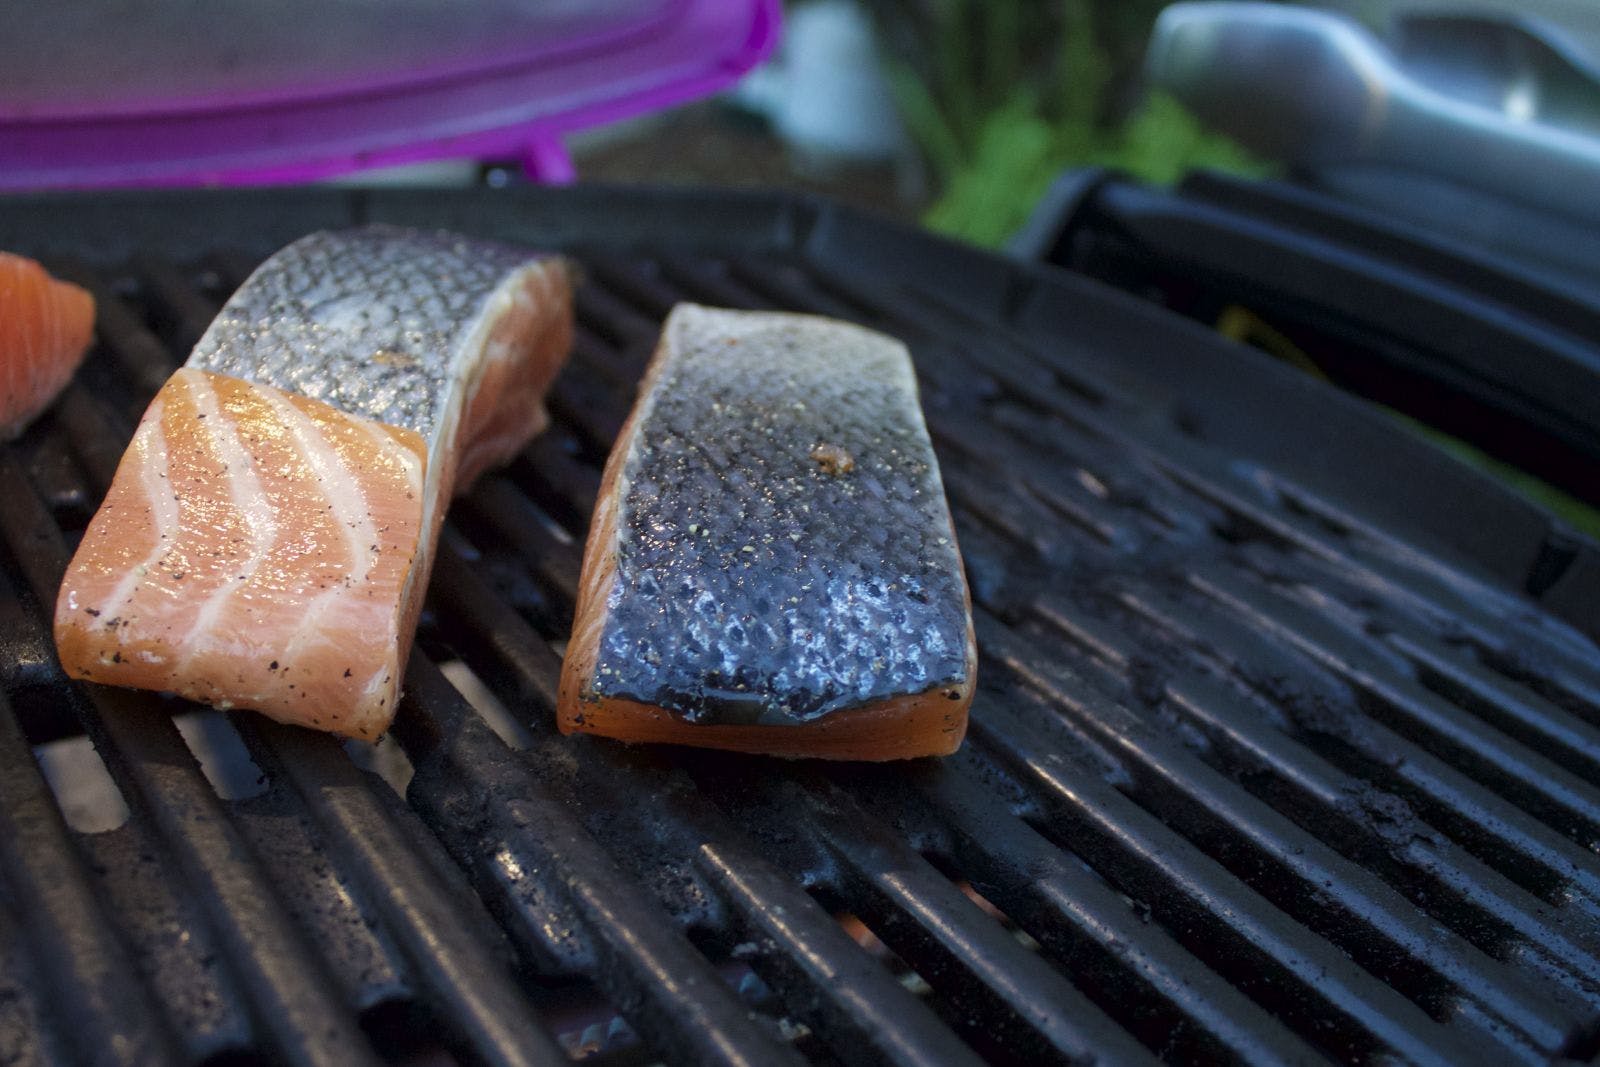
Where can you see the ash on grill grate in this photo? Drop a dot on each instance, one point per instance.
(1254, 774)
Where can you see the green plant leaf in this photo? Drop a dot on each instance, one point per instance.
(1002, 96)
(988, 195)
(1162, 140)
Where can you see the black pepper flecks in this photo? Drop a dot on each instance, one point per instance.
(756, 582)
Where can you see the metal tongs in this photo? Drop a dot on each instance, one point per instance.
(1509, 106)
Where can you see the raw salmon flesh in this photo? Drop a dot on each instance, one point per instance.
(45, 329)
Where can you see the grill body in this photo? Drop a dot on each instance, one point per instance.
(1287, 744)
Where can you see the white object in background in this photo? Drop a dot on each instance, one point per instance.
(826, 93)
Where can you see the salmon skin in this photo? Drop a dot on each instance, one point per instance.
(771, 566)
(454, 338)
(45, 330)
(268, 535)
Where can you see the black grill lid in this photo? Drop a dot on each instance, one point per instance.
(1460, 334)
(1287, 744)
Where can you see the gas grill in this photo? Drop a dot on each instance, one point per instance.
(1287, 744)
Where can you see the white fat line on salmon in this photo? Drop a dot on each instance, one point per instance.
(388, 443)
(153, 470)
(351, 510)
(249, 500)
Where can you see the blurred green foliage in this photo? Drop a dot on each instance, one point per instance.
(1002, 95)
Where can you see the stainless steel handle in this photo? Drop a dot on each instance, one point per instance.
(1317, 89)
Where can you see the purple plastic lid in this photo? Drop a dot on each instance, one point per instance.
(305, 101)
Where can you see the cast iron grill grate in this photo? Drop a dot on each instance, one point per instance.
(1275, 757)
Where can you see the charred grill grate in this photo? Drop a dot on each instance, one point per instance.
(1274, 757)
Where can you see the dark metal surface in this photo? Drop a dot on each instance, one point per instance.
(1279, 755)
(1452, 329)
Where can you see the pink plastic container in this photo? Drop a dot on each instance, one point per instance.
(164, 102)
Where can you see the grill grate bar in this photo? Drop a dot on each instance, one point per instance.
(929, 922)
(1564, 738)
(1489, 826)
(556, 475)
(182, 309)
(1562, 687)
(1297, 871)
(496, 643)
(1138, 972)
(1211, 912)
(846, 989)
(1432, 870)
(75, 944)
(529, 848)
(822, 974)
(292, 996)
(1428, 594)
(1147, 793)
(1439, 877)
(1552, 1033)
(1534, 783)
(24, 1039)
(122, 333)
(511, 517)
(582, 402)
(441, 935)
(1087, 922)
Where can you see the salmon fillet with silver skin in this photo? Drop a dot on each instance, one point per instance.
(46, 326)
(268, 535)
(771, 566)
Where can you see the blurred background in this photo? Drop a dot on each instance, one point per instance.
(959, 113)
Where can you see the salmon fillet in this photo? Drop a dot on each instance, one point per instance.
(46, 327)
(268, 536)
(771, 566)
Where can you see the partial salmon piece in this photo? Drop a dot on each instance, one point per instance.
(268, 536)
(46, 327)
(771, 566)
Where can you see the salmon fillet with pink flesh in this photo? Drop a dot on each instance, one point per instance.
(45, 330)
(268, 538)
(253, 552)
